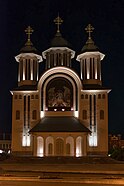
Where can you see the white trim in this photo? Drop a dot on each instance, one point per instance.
(30, 55)
(93, 91)
(93, 54)
(59, 48)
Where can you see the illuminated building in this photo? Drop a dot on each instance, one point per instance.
(60, 113)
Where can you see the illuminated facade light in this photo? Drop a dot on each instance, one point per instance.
(26, 140)
(1, 151)
(76, 114)
(42, 114)
(93, 140)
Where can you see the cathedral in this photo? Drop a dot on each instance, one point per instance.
(59, 112)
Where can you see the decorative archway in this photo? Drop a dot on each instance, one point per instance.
(70, 146)
(49, 146)
(59, 147)
(40, 146)
(79, 149)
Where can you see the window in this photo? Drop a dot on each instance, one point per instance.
(82, 96)
(103, 96)
(34, 114)
(86, 96)
(84, 114)
(16, 96)
(50, 148)
(20, 96)
(17, 115)
(68, 148)
(36, 96)
(32, 96)
(101, 114)
(99, 96)
(59, 146)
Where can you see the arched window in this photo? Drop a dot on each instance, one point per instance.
(32, 96)
(59, 146)
(49, 146)
(16, 97)
(40, 146)
(20, 96)
(70, 146)
(78, 146)
(84, 114)
(36, 96)
(101, 114)
(86, 96)
(82, 96)
(103, 96)
(99, 96)
(17, 115)
(34, 114)
(50, 149)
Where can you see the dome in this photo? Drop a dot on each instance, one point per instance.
(89, 46)
(28, 48)
(59, 41)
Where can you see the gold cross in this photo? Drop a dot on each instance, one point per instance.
(58, 21)
(29, 31)
(89, 29)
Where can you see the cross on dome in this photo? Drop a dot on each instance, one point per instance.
(89, 29)
(29, 31)
(58, 21)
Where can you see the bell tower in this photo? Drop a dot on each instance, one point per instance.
(25, 101)
(28, 62)
(90, 61)
(94, 97)
(59, 53)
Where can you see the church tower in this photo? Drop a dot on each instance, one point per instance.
(94, 97)
(25, 104)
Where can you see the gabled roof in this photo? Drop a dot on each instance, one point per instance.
(60, 124)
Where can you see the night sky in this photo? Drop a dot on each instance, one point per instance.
(106, 16)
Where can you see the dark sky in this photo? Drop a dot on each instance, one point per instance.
(106, 16)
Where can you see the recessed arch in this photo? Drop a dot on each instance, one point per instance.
(40, 146)
(49, 146)
(62, 72)
(70, 146)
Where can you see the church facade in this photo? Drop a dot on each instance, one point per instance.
(59, 113)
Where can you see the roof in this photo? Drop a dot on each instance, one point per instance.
(59, 41)
(94, 87)
(60, 124)
(26, 87)
(89, 46)
(28, 47)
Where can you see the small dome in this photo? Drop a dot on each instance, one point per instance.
(59, 41)
(89, 46)
(28, 48)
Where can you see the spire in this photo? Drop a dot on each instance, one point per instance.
(58, 40)
(58, 21)
(89, 46)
